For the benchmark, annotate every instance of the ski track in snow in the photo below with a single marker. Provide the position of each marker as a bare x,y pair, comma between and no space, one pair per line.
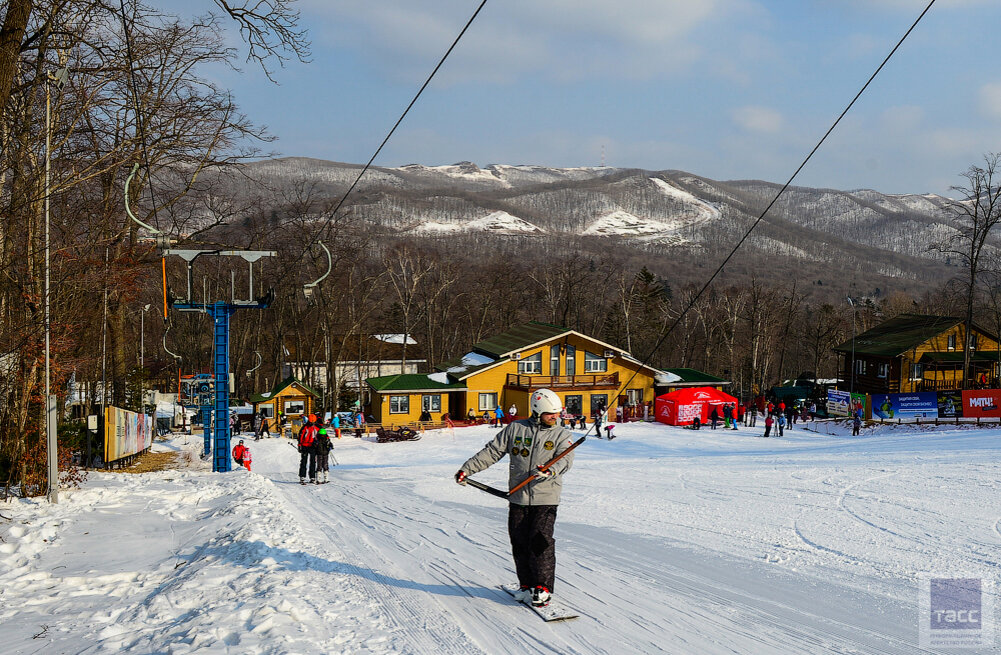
668,541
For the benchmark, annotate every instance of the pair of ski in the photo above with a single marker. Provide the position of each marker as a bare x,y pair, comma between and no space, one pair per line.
552,612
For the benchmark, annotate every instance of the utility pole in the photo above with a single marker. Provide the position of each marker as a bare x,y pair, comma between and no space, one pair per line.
51,442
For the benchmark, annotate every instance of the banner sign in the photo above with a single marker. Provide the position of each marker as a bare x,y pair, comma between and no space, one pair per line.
905,405
950,404
125,433
982,402
838,402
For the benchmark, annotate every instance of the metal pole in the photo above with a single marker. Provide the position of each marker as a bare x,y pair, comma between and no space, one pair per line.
851,384
50,404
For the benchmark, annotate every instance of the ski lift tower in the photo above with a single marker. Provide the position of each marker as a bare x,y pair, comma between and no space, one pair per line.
220,311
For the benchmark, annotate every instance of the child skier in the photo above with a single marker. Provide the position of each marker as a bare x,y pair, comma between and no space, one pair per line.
322,447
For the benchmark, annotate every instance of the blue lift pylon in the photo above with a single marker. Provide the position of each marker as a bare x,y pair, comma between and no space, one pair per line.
220,312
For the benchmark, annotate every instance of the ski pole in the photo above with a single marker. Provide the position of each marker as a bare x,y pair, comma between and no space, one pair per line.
483,487
333,457
545,467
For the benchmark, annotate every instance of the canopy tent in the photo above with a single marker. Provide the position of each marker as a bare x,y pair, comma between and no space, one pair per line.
682,406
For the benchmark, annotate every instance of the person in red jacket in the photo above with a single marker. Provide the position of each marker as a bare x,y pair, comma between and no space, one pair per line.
307,450
241,455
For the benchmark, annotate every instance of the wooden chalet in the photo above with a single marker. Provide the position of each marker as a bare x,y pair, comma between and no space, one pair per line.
290,397
917,352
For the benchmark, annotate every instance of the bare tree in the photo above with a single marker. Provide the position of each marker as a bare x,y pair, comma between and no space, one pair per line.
974,217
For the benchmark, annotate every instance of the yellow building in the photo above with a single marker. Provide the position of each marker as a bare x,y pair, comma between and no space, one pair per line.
502,371
916,352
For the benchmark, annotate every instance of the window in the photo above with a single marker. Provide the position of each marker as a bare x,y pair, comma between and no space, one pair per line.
268,410
488,401
972,342
554,360
952,342
634,396
530,365
917,371
859,367
399,404
882,370
599,401
571,364
295,406
431,403
594,363
574,405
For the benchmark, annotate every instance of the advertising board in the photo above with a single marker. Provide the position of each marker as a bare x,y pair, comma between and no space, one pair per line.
982,403
125,433
890,406
838,402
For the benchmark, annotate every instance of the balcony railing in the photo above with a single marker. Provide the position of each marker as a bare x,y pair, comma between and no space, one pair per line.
562,381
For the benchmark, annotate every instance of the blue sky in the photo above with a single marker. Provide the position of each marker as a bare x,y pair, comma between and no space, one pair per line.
728,89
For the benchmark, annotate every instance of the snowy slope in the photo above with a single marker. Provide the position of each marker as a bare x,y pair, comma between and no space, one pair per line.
668,540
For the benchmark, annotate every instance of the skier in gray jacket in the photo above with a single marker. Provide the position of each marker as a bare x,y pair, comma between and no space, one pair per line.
532,513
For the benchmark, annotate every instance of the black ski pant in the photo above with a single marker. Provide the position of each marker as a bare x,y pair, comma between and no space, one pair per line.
304,455
321,461
531,530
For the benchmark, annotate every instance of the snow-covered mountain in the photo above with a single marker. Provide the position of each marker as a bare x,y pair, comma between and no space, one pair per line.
664,211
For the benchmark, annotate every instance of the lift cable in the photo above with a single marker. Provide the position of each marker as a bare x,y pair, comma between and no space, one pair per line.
368,165
705,287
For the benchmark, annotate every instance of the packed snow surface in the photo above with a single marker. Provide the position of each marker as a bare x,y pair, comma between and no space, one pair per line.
669,541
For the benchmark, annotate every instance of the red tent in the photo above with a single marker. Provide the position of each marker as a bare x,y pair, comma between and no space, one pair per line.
681,406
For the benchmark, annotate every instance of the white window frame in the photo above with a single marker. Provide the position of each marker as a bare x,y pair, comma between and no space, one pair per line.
570,365
554,360
859,367
882,370
487,402
399,404
917,371
530,365
971,342
594,363
951,342
431,403
634,396
292,405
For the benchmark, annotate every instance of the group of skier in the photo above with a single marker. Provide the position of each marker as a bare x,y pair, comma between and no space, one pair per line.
314,450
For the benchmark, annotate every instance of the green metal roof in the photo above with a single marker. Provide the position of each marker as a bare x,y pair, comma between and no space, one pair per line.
900,334
956,357
519,337
410,382
693,375
279,387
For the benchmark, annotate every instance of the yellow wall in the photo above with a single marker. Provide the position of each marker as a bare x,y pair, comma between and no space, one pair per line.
380,408
940,344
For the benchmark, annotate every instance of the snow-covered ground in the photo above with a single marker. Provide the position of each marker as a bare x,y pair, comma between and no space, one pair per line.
668,541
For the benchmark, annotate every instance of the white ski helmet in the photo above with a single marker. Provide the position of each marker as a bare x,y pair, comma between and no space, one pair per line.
545,401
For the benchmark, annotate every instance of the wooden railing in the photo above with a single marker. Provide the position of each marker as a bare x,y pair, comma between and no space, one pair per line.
562,381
